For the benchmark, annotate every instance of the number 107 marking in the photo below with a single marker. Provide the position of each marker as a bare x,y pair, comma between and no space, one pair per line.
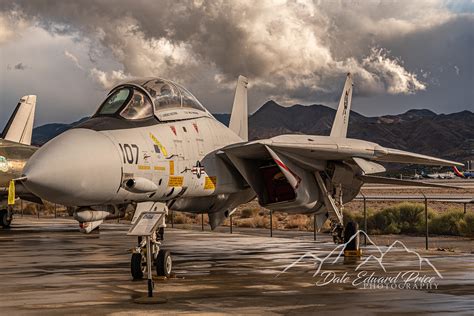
129,153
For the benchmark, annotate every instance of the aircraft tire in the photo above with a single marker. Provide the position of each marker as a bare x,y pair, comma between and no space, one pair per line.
137,266
164,263
4,221
349,231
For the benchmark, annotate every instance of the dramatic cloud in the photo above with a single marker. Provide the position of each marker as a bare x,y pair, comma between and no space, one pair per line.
107,80
11,24
292,50
396,78
277,43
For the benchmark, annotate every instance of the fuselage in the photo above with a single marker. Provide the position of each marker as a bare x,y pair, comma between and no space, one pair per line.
124,157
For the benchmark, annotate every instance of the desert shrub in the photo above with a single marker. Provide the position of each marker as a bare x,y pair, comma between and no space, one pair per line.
447,223
180,218
249,212
260,222
301,222
410,216
246,222
30,208
405,218
466,225
357,217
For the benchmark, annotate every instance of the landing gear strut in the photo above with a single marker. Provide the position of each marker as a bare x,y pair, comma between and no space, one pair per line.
5,218
160,257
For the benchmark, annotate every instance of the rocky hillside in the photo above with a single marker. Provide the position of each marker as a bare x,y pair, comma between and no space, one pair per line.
449,136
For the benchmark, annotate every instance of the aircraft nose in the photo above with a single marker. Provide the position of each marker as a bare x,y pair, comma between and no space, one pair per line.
80,167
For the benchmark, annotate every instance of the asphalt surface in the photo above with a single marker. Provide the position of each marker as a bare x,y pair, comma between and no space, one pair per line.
47,267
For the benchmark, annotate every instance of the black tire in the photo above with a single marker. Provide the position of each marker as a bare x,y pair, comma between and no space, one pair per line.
4,221
137,266
164,263
350,230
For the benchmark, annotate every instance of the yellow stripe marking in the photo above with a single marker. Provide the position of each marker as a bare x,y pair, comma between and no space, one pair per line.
171,167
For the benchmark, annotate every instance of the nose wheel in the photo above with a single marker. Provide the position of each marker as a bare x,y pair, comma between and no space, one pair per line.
161,258
164,263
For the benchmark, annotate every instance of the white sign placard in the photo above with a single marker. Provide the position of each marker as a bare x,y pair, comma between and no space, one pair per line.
146,224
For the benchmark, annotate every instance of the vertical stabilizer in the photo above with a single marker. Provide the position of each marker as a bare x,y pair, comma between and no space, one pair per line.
341,121
20,125
239,117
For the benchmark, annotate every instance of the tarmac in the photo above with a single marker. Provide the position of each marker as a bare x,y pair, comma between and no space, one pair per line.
47,267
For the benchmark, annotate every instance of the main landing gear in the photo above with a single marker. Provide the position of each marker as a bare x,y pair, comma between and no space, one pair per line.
160,257
334,203
5,218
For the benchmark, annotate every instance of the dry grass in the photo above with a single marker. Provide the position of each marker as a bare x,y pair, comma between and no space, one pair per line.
300,222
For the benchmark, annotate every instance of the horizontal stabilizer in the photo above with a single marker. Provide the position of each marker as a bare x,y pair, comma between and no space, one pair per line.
392,181
400,156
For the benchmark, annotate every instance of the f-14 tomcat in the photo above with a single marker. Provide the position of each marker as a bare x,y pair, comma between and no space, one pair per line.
152,143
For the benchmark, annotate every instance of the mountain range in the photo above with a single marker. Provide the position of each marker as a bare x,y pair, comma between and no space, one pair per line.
449,136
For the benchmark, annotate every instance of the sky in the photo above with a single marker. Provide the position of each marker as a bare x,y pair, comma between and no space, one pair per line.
403,54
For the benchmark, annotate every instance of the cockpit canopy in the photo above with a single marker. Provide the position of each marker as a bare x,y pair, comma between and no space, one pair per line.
143,98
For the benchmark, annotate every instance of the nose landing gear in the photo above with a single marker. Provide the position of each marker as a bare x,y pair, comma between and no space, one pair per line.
160,257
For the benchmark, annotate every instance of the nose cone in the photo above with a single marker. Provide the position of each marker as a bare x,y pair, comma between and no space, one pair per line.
80,167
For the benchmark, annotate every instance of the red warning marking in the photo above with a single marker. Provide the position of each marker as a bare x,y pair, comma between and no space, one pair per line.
281,164
173,129
196,127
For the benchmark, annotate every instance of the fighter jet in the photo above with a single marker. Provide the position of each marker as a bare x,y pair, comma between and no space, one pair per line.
151,143
438,175
15,150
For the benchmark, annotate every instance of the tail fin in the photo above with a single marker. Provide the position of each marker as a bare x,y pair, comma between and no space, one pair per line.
341,121
239,117
19,128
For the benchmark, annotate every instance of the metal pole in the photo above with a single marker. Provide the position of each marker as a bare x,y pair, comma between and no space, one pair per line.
202,221
38,208
172,219
315,236
365,222
230,219
21,207
271,224
426,221
148,267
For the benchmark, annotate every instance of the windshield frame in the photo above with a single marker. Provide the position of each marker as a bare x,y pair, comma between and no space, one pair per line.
117,113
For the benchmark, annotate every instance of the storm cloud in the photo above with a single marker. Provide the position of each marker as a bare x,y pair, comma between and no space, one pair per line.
293,51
